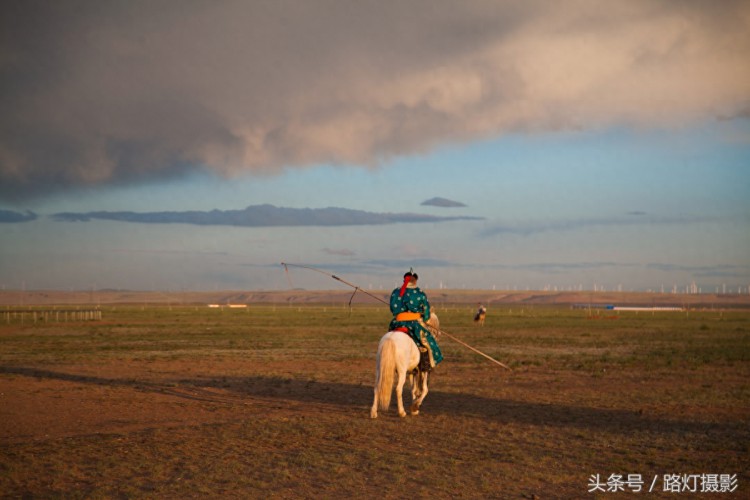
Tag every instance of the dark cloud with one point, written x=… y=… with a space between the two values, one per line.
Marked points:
x=101 y=92
x=11 y=216
x=261 y=216
x=442 y=202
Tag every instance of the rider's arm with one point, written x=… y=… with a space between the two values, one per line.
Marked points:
x=396 y=303
x=426 y=311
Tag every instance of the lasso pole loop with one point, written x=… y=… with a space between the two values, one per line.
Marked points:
x=442 y=332
x=286 y=265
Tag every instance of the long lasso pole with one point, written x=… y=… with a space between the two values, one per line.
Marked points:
x=442 y=332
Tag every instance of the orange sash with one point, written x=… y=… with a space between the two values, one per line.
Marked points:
x=408 y=316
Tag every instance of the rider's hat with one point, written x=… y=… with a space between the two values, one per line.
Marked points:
x=407 y=277
x=410 y=273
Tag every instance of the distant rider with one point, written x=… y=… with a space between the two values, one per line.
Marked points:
x=411 y=310
x=481 y=313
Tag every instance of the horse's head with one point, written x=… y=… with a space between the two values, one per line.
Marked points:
x=434 y=324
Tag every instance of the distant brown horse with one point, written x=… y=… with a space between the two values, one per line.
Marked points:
x=480 y=315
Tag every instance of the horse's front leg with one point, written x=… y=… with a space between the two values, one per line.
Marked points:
x=399 y=392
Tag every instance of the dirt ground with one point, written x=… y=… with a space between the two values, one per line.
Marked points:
x=69 y=401
x=547 y=432
x=274 y=403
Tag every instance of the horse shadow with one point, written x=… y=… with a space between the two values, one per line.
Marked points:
x=437 y=403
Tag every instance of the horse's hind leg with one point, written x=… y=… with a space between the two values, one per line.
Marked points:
x=418 y=395
x=399 y=393
x=374 y=409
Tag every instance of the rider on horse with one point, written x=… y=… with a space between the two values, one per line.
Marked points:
x=411 y=310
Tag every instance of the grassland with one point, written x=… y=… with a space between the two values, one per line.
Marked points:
x=272 y=401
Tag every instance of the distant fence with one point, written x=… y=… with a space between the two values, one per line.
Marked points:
x=50 y=315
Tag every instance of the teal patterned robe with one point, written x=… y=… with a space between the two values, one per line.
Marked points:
x=414 y=300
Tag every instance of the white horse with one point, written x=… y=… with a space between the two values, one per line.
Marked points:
x=398 y=353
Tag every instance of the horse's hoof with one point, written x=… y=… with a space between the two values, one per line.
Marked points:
x=415 y=412
x=373 y=414
x=402 y=414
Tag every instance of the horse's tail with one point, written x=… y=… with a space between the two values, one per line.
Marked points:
x=386 y=368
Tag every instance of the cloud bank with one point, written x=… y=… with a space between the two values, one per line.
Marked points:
x=528 y=228
x=129 y=92
x=11 y=216
x=261 y=216
x=713 y=271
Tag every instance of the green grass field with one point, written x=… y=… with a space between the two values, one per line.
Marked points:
x=273 y=402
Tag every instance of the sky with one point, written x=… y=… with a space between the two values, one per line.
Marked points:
x=542 y=145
